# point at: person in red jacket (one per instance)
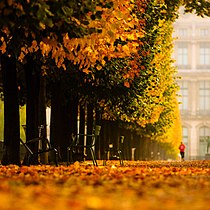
(182, 150)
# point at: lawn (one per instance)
(146, 185)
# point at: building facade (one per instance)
(192, 58)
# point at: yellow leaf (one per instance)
(99, 67)
(127, 84)
(3, 47)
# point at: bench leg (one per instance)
(121, 158)
(69, 156)
(104, 158)
(56, 156)
(93, 156)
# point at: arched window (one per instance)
(204, 134)
(185, 141)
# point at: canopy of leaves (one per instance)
(141, 90)
(25, 23)
(78, 31)
(149, 83)
(200, 7)
(124, 47)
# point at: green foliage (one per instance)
(160, 71)
(25, 21)
(148, 104)
(22, 122)
(107, 86)
(200, 7)
(172, 9)
(142, 97)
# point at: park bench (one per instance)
(114, 154)
(44, 145)
(75, 146)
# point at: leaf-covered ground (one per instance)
(135, 186)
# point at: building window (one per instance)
(185, 140)
(204, 32)
(182, 32)
(182, 59)
(183, 99)
(204, 54)
(204, 134)
(204, 97)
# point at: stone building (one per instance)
(192, 55)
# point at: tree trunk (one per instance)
(32, 106)
(82, 123)
(73, 115)
(56, 133)
(64, 114)
(103, 139)
(42, 116)
(11, 154)
(65, 129)
(89, 126)
(115, 135)
(127, 145)
(98, 139)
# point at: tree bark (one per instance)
(98, 139)
(82, 124)
(42, 116)
(56, 133)
(32, 106)
(64, 112)
(11, 153)
(89, 126)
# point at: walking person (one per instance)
(182, 150)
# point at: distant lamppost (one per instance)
(208, 144)
(207, 139)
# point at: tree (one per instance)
(148, 81)
(11, 112)
(200, 7)
(33, 27)
(96, 36)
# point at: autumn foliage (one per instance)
(114, 22)
(113, 55)
(138, 185)
(121, 47)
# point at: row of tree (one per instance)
(92, 60)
